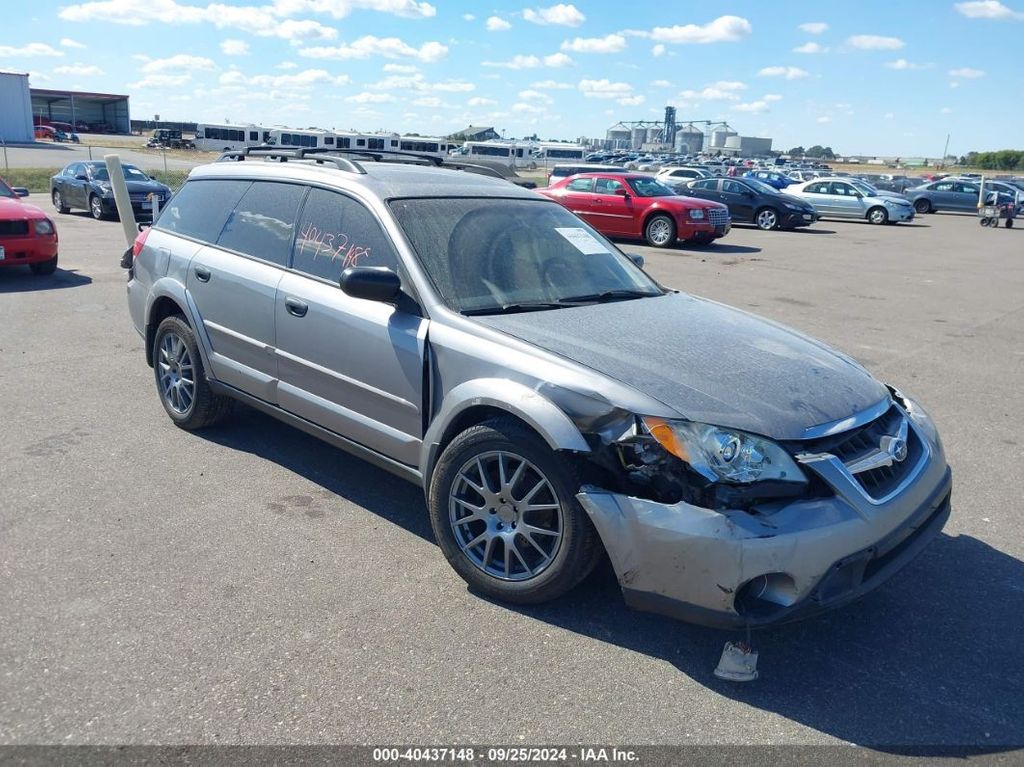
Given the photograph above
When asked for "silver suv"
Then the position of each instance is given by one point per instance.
(552, 400)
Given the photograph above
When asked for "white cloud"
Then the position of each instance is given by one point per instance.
(987, 9)
(604, 89)
(553, 85)
(658, 50)
(497, 24)
(428, 101)
(810, 48)
(967, 73)
(522, 106)
(772, 97)
(823, 120)
(468, 17)
(723, 90)
(369, 45)
(370, 98)
(888, 116)
(480, 101)
(181, 62)
(305, 79)
(875, 43)
(753, 107)
(609, 44)
(790, 73)
(632, 101)
(561, 15)
(661, 84)
(67, 42)
(903, 64)
(78, 70)
(234, 47)
(954, 84)
(285, 65)
(160, 81)
(945, 111)
(32, 49)
(532, 95)
(814, 27)
(401, 68)
(556, 60)
(450, 86)
(724, 29)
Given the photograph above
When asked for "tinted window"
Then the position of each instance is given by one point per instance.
(733, 187)
(844, 190)
(201, 208)
(708, 183)
(336, 232)
(581, 185)
(967, 188)
(817, 189)
(944, 187)
(262, 222)
(608, 186)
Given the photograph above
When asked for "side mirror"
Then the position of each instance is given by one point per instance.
(859, 196)
(374, 283)
(20, 191)
(637, 259)
(622, 192)
(747, 193)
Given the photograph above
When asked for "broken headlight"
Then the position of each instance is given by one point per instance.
(720, 454)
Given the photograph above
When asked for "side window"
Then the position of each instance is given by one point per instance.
(200, 208)
(971, 188)
(608, 186)
(817, 189)
(733, 187)
(262, 223)
(844, 190)
(943, 187)
(336, 232)
(708, 184)
(580, 185)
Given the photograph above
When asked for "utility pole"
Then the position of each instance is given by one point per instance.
(945, 152)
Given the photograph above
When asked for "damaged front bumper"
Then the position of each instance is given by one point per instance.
(735, 568)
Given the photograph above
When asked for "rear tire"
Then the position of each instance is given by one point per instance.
(44, 267)
(180, 380)
(96, 207)
(58, 202)
(505, 455)
(922, 206)
(660, 231)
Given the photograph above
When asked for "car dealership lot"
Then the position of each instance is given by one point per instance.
(250, 584)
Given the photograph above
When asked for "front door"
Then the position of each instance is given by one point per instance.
(740, 200)
(847, 201)
(612, 210)
(350, 365)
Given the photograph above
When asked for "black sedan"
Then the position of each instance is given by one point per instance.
(87, 185)
(754, 202)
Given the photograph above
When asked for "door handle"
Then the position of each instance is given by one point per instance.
(295, 307)
(202, 273)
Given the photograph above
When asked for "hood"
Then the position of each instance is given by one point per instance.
(145, 186)
(709, 362)
(883, 194)
(17, 209)
(686, 202)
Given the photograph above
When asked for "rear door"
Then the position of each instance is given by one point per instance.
(578, 196)
(705, 189)
(739, 198)
(817, 194)
(233, 281)
(350, 365)
(966, 195)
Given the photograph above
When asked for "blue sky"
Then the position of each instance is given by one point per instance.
(874, 76)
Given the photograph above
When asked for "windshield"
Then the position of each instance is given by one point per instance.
(864, 188)
(760, 186)
(489, 255)
(131, 173)
(644, 186)
(6, 191)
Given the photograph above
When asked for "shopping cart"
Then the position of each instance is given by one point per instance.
(989, 215)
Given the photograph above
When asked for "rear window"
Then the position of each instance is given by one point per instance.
(201, 208)
(263, 221)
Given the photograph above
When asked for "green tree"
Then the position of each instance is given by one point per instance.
(797, 151)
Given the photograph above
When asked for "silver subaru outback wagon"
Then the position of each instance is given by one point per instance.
(553, 401)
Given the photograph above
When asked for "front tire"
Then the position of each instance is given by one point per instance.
(96, 207)
(58, 202)
(44, 267)
(504, 512)
(878, 216)
(660, 231)
(767, 219)
(180, 380)
(922, 206)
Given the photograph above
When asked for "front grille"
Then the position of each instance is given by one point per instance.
(718, 216)
(858, 443)
(12, 228)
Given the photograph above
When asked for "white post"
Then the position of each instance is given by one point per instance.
(121, 197)
(981, 191)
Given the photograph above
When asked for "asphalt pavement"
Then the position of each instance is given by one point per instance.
(250, 584)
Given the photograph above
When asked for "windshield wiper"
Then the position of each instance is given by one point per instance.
(607, 296)
(532, 306)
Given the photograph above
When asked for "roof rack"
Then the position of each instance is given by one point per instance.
(283, 155)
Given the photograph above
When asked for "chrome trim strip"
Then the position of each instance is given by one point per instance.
(850, 422)
(880, 456)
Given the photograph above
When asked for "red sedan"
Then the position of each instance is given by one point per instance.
(27, 235)
(639, 206)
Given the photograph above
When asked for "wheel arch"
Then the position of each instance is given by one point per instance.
(475, 402)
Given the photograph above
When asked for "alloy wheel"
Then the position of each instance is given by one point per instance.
(767, 219)
(505, 515)
(177, 380)
(659, 231)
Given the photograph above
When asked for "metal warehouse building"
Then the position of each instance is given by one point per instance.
(15, 108)
(99, 112)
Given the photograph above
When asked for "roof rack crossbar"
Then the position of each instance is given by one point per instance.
(378, 154)
(283, 155)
